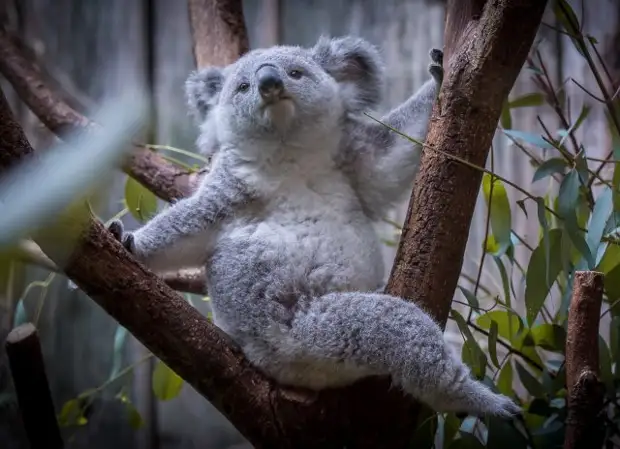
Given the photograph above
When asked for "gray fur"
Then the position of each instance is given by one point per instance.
(284, 223)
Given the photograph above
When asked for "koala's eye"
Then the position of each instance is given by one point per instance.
(296, 74)
(243, 87)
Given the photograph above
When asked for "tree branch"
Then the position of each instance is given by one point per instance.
(155, 173)
(486, 46)
(188, 281)
(219, 35)
(584, 425)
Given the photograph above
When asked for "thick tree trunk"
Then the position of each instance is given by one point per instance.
(487, 46)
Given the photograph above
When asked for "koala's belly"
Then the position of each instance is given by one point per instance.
(333, 254)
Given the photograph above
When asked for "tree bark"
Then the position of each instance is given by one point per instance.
(33, 393)
(486, 46)
(584, 424)
(218, 31)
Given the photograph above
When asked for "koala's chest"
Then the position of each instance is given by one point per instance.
(320, 215)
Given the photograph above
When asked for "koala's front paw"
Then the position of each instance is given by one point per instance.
(436, 66)
(116, 228)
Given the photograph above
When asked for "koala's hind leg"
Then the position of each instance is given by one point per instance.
(393, 336)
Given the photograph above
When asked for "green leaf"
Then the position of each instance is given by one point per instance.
(531, 384)
(610, 259)
(472, 355)
(426, 430)
(541, 276)
(532, 139)
(451, 427)
(549, 167)
(505, 118)
(612, 283)
(119, 341)
(568, 202)
(133, 415)
(614, 343)
(509, 325)
(527, 100)
(497, 200)
(505, 282)
(71, 414)
(544, 224)
(615, 182)
(466, 441)
(493, 343)
(568, 19)
(585, 111)
(598, 219)
(471, 298)
(503, 434)
(549, 336)
(504, 380)
(141, 202)
(20, 314)
(605, 365)
(166, 383)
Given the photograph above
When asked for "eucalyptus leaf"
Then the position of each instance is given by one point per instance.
(531, 384)
(550, 337)
(598, 219)
(493, 331)
(549, 167)
(540, 276)
(166, 383)
(471, 298)
(527, 100)
(504, 380)
(568, 202)
(497, 200)
(532, 139)
(141, 202)
(505, 117)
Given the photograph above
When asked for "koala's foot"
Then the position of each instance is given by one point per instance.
(436, 66)
(117, 229)
(467, 395)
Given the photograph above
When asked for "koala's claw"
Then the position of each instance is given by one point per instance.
(436, 56)
(116, 228)
(436, 67)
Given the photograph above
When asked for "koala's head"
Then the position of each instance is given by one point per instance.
(285, 93)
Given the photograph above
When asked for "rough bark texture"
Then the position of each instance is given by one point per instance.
(486, 48)
(584, 425)
(161, 177)
(218, 30)
(32, 388)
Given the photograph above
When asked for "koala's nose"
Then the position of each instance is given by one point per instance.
(269, 81)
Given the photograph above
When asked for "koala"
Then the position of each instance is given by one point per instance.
(284, 222)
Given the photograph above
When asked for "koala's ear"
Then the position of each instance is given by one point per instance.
(202, 90)
(356, 65)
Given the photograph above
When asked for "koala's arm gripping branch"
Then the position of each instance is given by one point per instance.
(158, 175)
